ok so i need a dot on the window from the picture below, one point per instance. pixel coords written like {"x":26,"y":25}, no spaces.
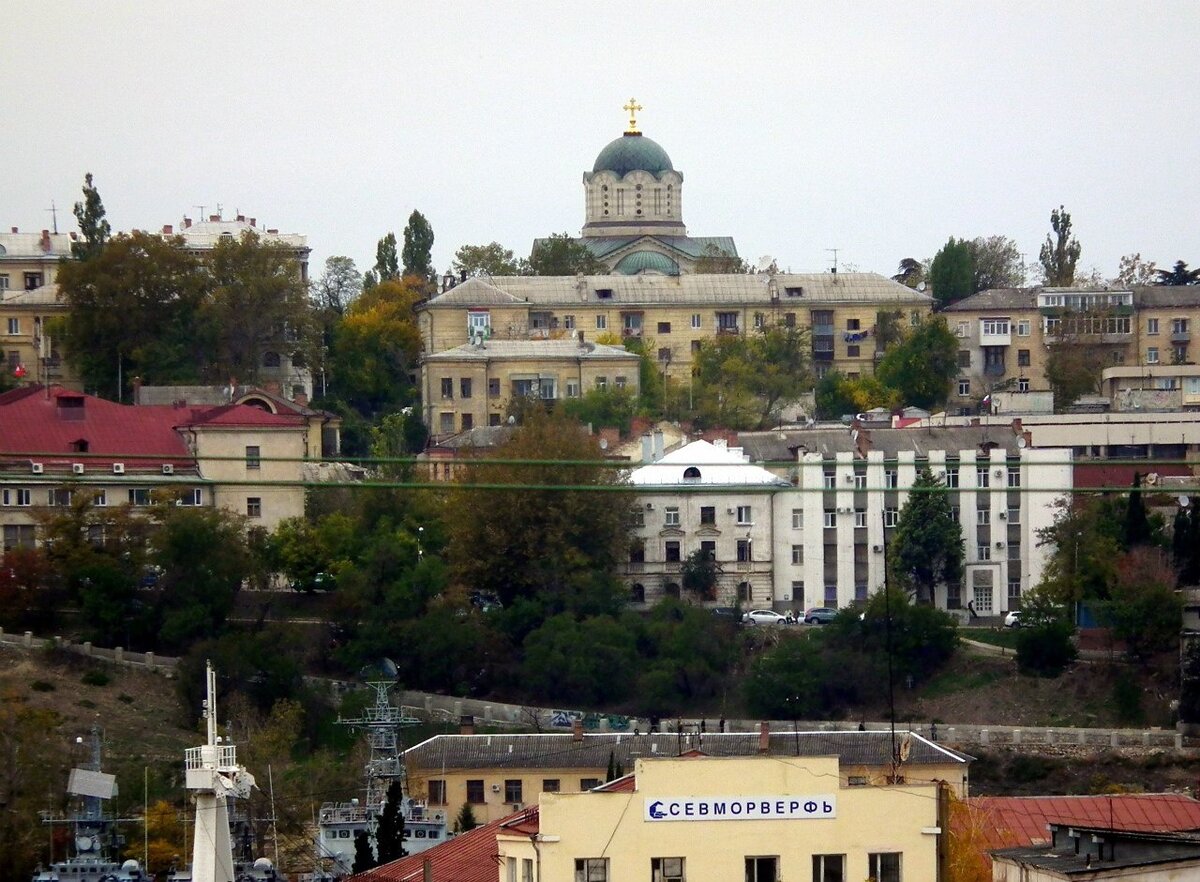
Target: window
{"x":100,"y":498}
{"x":510,"y":869}
{"x":601,"y":322}
{"x":637,"y":517}
{"x":671,"y":551}
{"x":884,"y":866}
{"x":1023,"y":384}
{"x":1014,"y":594}
{"x":139,"y":496}
{"x":789,"y":319}
{"x":572,"y":388}
{"x":271,"y":359}
{"x":983,"y":599}
{"x":631,"y":323}
{"x":727,"y":322}
{"x":830,"y":519}
{"x":464,"y":387}
{"x":664,"y":353}
{"x":797,"y":554}
{"x":762,"y":869}
{"x":983,"y":551}
{"x":1179,"y":326}
{"x":891,"y":517}
{"x":860,"y":519}
{"x":437,"y":792}
{"x":744,"y":514}
{"x":759,"y":320}
{"x":1179,"y":354}
{"x":620,"y":382}
{"x":1151,"y":326}
{"x":994,"y":327}
{"x":20,"y":496}
{"x":493,"y":420}
{"x":19,"y":536}
{"x":601,"y":382}
{"x":253,"y":457}
{"x":637,"y":550}
{"x":708,"y":550}
{"x":475,"y":791}
{"x":666,"y":869}
{"x":589,"y":783}
{"x":981,"y":476}
{"x":952,"y":477}
{"x":551,"y":785}
{"x":671,"y":516}
{"x":961,"y":330}
{"x":1023,"y":328}
{"x":891,"y":479}
{"x":1014,"y":477}
{"x":860,"y":480}
{"x":964,"y":358}
{"x":983,"y":517}
{"x":1014,"y":515}
{"x":569,"y":322}
{"x":695,"y":321}
{"x":14,"y":326}
{"x":478,"y":323}
{"x":664,"y":327}
{"x":1022,"y":358}
{"x":3,"y":281}
{"x":493,"y":387}
{"x":591,"y":869}
{"x":797,"y":518}
{"x":512,"y":790}
{"x":1152,"y":355}
{"x":33,"y":280}
{"x":191,"y":496}
{"x":468,"y":422}
{"x":708,"y":514}
{"x":254,"y":506}
{"x":829,"y":868}
{"x":447,"y":387}
{"x":798,"y":592}
{"x":956,"y":513}
{"x":744,"y":551}
{"x":59,"y":497}
{"x":964,"y":388}
{"x":526,"y":869}
{"x":745,"y":592}
{"x":829,"y":480}
{"x":852,"y":324}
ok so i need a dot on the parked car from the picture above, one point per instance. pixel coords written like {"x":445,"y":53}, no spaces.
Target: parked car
{"x":727,"y":613}
{"x":819,"y":615}
{"x":1013,"y":619}
{"x":764,"y":617}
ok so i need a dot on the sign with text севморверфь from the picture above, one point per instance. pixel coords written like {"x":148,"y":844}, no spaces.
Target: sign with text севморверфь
{"x":740,"y":808}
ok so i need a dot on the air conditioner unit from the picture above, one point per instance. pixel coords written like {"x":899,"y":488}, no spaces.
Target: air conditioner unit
{"x":849,"y":479}
{"x":649,"y":506}
{"x":999,"y":544}
{"x":878,"y":549}
{"x":1003,"y":516}
{"x":495,"y":788}
{"x":168,"y":469}
{"x":76,"y":468}
{"x":439,"y":817}
{"x":37,"y":468}
{"x":118,"y":468}
{"x":999,"y":473}
{"x":731,"y":510}
{"x":517,"y":806}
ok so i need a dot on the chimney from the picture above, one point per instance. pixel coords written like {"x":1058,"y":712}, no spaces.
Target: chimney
{"x":1016,"y":426}
{"x":46,"y":240}
{"x":301,"y":399}
{"x":273,"y":232}
{"x":168,"y":230}
{"x":577,"y":730}
{"x":15,"y":230}
{"x":241,"y":218}
{"x":863,"y":442}
{"x":764,"y":737}
{"x":253,"y":221}
{"x":273,"y":386}
{"x":658,"y":445}
{"x":466,"y":725}
{"x":647,"y":448}
{"x":462,"y":275}
{"x":187,"y":222}
{"x":137,"y":390}
{"x":580,"y":336}
{"x":213,"y":218}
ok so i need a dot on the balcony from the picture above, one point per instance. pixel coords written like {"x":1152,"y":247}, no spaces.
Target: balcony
{"x":822,"y":330}
{"x":994,"y":336}
{"x":634,"y":567}
{"x":729,"y":330}
{"x":1181,"y":336}
{"x":995,"y":369}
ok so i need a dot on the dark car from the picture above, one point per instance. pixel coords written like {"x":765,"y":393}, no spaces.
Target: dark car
{"x":819,"y":615}
{"x":727,"y":613}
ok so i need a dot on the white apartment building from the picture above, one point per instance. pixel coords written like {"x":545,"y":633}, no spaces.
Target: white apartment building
{"x":808,"y":526}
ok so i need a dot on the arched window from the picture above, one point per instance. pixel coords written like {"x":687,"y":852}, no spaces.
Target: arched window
{"x":271,"y":359}
{"x":671,"y":589}
{"x":745,"y":593}
{"x":298,"y":360}
{"x":691,"y":473}
{"x":637,"y":594}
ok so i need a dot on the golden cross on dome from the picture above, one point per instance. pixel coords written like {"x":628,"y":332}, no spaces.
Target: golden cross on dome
{"x":633,"y":107}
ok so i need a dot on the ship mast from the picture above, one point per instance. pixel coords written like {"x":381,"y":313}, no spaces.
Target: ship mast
{"x":214,"y":775}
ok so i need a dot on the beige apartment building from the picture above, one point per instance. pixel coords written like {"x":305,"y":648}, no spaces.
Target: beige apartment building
{"x":1006,"y":335}
{"x":761,"y":819}
{"x":473,"y":385}
{"x":28,"y":300}
{"x":671,"y":316}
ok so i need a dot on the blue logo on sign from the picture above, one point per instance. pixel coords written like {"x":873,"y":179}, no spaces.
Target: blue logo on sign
{"x":656,"y":810}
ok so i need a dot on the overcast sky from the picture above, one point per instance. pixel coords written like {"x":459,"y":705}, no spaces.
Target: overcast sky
{"x":878,"y":128}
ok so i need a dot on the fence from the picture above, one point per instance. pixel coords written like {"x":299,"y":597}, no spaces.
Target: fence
{"x":146,"y":660}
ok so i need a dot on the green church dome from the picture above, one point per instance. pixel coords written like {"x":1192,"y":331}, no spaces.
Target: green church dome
{"x":633,"y":152}
{"x":646,"y":261}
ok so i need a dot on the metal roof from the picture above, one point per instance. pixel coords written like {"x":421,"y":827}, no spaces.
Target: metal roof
{"x":996,"y":298}
{"x":786,"y":445}
{"x":713,"y":465}
{"x":28,"y":246}
{"x":532,"y":349}
{"x":592,"y":751}
{"x":633,"y":151}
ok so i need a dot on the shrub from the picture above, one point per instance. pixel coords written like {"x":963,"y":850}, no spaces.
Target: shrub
{"x":41,"y":686}
{"x":95,"y":678}
{"x":1045,"y":649}
{"x":1127,"y":697}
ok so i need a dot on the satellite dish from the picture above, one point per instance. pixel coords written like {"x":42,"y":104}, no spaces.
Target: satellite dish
{"x":1183,"y":501}
{"x":921,"y":286}
{"x":766,"y":264}
{"x":604,"y":444}
{"x":1022,"y":443}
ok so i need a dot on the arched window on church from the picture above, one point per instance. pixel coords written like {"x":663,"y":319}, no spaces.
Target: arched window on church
{"x":271,"y":359}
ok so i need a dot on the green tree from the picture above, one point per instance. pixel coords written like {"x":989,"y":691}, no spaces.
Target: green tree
{"x":417,"y":255}
{"x":591,"y":661}
{"x":389,"y":837}
{"x":1189,"y":686}
{"x":786,"y":681}
{"x":1137,"y":522}
{"x":951,"y":273}
{"x":603,"y":407}
{"x":1133,"y":271}
{"x":465,"y":819}
{"x":685,"y":653}
{"x":742,"y":379}
{"x":996,"y":263}
{"x":258,"y":305}
{"x":1179,"y":275}
{"x":94,"y":229}
{"x":492,"y":259}
{"x":364,"y":858}
{"x":921,"y":367}
{"x":716,"y":260}
{"x":338,"y":286}
{"x":136,"y":309}
{"x":700,"y":573}
{"x":1060,"y":252}
{"x":387,"y":261}
{"x":837,"y":395}
{"x":1045,"y":648}
{"x":927,"y":547}
{"x":550,"y":529}
{"x":1144,"y":610}
{"x":910,"y":273}
{"x":563,"y":255}
{"x":1075,"y":364}
{"x":32,"y":760}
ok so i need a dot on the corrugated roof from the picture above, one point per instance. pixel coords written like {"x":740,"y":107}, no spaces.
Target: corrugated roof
{"x":1009,"y":821}
{"x":787,"y":445}
{"x":996,"y":298}
{"x":1167,"y":296}
{"x":715,"y":288}
{"x":539,"y":349}
{"x":26,"y":246}
{"x":468,"y":857}
{"x":206,"y":234}
{"x":592,"y":752}
{"x":714,"y":465}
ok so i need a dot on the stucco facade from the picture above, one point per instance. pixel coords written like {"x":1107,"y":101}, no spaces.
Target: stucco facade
{"x":675,"y":821}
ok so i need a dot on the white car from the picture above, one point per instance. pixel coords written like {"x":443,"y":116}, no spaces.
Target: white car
{"x":764,"y":617}
{"x":1013,"y":619}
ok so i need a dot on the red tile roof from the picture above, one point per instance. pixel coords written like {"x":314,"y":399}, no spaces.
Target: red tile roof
{"x":468,"y":857}
{"x":1021,"y":820}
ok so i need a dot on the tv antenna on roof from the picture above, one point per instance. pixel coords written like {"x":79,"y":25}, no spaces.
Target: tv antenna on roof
{"x":835,"y":262}
{"x":53,"y":216}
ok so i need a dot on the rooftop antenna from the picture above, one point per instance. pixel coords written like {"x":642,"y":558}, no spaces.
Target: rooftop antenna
{"x":53,"y":216}
{"x":201,"y":207}
{"x":218,"y":209}
{"x":835,"y":260}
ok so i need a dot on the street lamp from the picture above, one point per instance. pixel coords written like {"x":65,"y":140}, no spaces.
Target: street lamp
{"x":420,"y":550}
